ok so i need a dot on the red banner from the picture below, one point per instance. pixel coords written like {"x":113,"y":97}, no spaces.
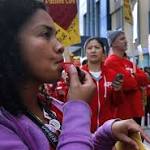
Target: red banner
{"x":64,"y":14}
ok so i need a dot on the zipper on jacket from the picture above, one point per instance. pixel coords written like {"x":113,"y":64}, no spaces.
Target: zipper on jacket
{"x":99,"y":105}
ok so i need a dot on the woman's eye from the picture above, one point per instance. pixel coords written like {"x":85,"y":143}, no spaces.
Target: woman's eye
{"x":89,"y":48}
{"x":97,"y":47}
{"x":46,"y":34}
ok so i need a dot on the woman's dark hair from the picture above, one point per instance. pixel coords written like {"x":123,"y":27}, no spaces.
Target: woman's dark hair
{"x":13,"y":15}
{"x":98,"y":39}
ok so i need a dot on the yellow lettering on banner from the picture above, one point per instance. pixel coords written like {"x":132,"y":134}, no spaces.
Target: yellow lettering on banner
{"x":70,"y":1}
{"x":54,"y":2}
{"x":60,"y":1}
{"x":69,"y":36}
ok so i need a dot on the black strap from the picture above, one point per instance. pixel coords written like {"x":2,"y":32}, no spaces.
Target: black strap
{"x":51,"y":136}
{"x":50,"y":113}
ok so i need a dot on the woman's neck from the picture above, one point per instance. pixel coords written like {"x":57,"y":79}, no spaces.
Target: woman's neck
{"x":94,"y":67}
{"x":29,"y":95}
{"x":119,"y":53}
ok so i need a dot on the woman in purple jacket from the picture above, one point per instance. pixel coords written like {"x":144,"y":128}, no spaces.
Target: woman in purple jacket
{"x":30,"y":55}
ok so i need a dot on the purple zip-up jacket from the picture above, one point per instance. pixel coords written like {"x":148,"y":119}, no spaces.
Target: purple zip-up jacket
{"x":20,"y":133}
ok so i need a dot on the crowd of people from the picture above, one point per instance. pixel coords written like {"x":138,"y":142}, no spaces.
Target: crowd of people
{"x":89,"y":115}
{"x":124,"y":98}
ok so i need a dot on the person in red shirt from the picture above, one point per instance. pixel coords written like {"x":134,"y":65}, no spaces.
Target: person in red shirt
{"x":147,"y":103}
{"x":107,"y":95}
{"x":134,"y":77}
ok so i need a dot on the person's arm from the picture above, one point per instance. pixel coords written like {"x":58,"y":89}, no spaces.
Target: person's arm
{"x":129,"y":81}
{"x":116,"y":93}
{"x":112,"y":130}
{"x":117,"y":97}
{"x":75,"y":134}
{"x":103,"y":138}
{"x":141,"y":77}
{"x":76,"y":125}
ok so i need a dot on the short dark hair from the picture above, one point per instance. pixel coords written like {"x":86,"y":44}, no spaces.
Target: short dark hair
{"x":98,"y":39}
{"x":13,"y":15}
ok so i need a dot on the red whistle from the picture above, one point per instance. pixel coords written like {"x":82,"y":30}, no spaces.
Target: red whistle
{"x":81,"y":74}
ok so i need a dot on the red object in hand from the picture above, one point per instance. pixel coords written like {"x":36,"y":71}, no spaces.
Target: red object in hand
{"x":66,"y":65}
{"x":81,"y":74}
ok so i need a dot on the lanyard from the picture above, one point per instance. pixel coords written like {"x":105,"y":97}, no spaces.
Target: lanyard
{"x":51,"y":136}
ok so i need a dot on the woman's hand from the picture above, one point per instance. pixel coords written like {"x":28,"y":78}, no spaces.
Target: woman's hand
{"x":124,"y":128}
{"x":77,"y":90}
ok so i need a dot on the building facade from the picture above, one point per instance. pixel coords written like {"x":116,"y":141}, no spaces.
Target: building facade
{"x":94,"y":17}
{"x":138,"y":32}
{"x":99,"y":16}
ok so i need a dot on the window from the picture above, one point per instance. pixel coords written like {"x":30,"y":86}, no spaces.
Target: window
{"x":149,"y":22}
{"x":85,"y":23}
{"x":119,"y":18}
{"x":97,"y":19}
{"x":135,"y":22}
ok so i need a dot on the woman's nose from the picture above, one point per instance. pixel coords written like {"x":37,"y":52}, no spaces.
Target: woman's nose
{"x":59,"y":47}
{"x":93,"y":49}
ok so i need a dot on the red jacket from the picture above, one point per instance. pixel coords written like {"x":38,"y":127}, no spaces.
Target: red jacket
{"x":148,"y":89}
{"x":58,"y":91}
{"x":132,"y":105}
{"x":105,"y":99}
